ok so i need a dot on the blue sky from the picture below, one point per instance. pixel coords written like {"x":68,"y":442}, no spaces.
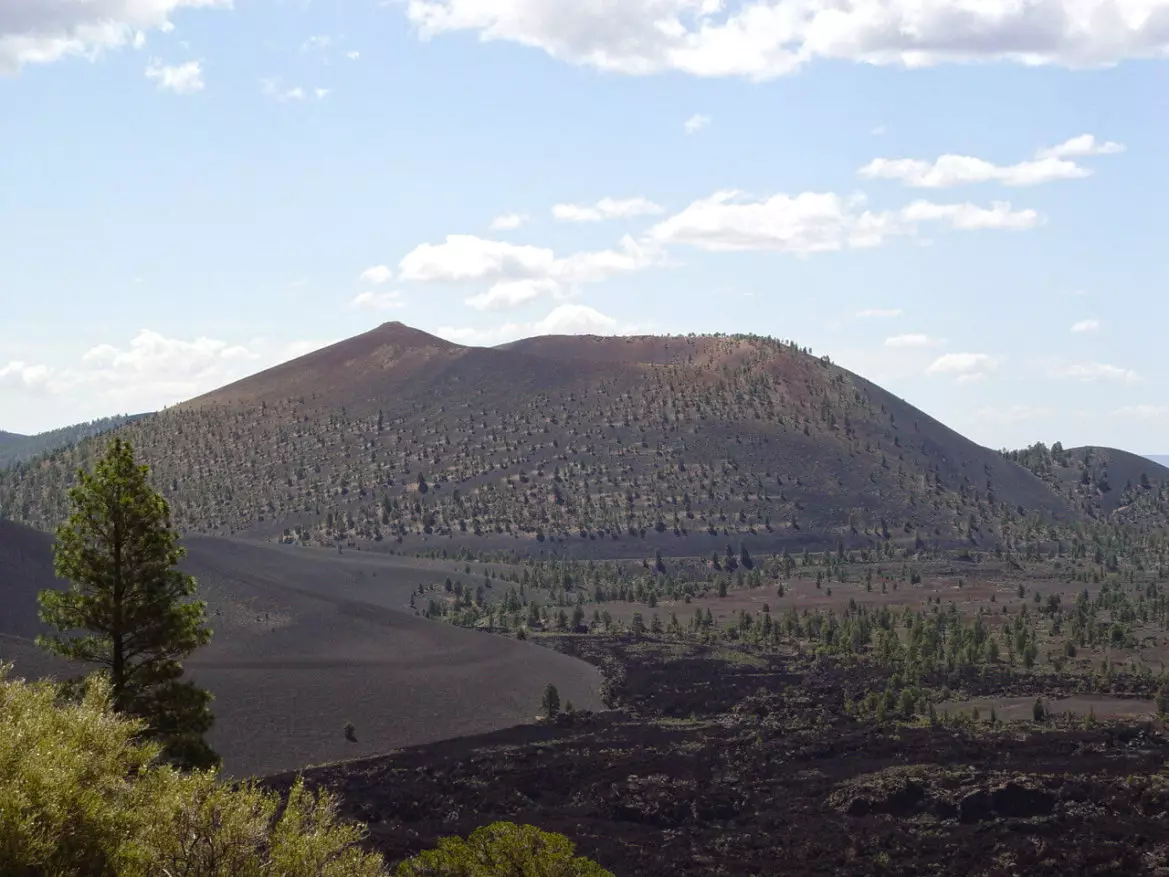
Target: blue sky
{"x":962,"y":201}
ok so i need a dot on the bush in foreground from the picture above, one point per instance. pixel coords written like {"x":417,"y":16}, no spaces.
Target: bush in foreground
{"x":82,"y":795}
{"x":503,"y":848}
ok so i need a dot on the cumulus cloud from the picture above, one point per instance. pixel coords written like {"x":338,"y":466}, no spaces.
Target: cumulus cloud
{"x":575,"y":319}
{"x":763,"y":39}
{"x":1085,"y":326}
{"x":565,"y":319}
{"x":508,"y":221}
{"x":377,"y":274}
{"x":696,"y":123}
{"x":512,"y":293}
{"x":463,"y":258}
{"x":814,"y":222}
{"x":963,"y":366}
{"x":970,"y":217}
{"x":1092,"y":371}
{"x":149,"y":372}
{"x":1081,"y":146}
{"x":913,"y":340}
{"x":947,"y":171}
{"x":24,"y":376}
{"x":181,"y":78}
{"x":378,"y":301}
{"x":606,"y":208}
{"x":43,"y":31}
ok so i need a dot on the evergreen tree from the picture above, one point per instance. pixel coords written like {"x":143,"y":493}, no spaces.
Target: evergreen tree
{"x":129,"y":604}
{"x":550,"y":703}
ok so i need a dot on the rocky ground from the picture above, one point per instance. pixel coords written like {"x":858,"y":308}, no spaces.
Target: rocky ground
{"x":724,"y":761}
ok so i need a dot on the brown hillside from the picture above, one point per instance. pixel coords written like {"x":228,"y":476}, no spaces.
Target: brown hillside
{"x":703,"y":437}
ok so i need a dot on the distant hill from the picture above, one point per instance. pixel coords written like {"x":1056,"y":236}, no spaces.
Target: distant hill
{"x":1103,"y":483}
{"x":695,"y":441}
{"x":1163,"y":459}
{"x":16,"y":448}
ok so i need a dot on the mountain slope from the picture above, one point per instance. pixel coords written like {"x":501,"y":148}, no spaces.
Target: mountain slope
{"x":16,"y":448}
{"x":306,"y":640}
{"x":1161,"y":459}
{"x":396,"y":434}
{"x":1103,"y":483}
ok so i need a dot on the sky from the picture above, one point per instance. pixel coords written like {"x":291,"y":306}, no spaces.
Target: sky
{"x":963,"y":201}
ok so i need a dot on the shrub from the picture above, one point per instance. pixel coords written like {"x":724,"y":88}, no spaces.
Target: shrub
{"x":81,"y":795}
{"x":503,"y":849}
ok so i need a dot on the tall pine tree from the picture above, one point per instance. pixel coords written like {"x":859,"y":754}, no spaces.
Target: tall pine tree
{"x":127,"y":610}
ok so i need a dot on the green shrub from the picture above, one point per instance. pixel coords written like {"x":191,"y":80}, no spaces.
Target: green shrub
{"x":503,"y":849}
{"x":82,"y":796}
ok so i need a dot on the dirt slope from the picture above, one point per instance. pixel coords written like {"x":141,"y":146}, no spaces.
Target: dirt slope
{"x":306,"y":640}
{"x":556,"y":438}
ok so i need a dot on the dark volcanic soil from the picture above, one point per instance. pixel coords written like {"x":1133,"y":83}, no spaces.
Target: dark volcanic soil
{"x":750,"y":766}
{"x":306,"y":640}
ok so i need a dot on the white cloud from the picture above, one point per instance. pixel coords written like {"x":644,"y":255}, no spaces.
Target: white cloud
{"x":606,"y":208}
{"x":814,"y":222}
{"x":149,"y":372}
{"x":508,"y":221}
{"x":565,"y":319}
{"x":570,"y":319}
{"x":1081,"y":146}
{"x":970,"y":217}
{"x":273,"y":89}
{"x":762,"y":39}
{"x":321,"y":93}
{"x":696,"y":123}
{"x":378,"y":301}
{"x":466,"y":258}
{"x":181,"y":79}
{"x":1092,"y":371}
{"x":512,"y":293}
{"x":353,"y":54}
{"x":377,"y":274}
{"x":22,"y":375}
{"x":913,"y":340}
{"x":963,"y":366}
{"x":1085,"y":326}
{"x":43,"y":31}
{"x":869,"y":313}
{"x":948,"y":171}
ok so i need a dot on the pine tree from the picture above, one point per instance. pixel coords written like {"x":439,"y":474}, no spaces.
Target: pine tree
{"x":129,"y":603}
{"x":551,"y":701}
